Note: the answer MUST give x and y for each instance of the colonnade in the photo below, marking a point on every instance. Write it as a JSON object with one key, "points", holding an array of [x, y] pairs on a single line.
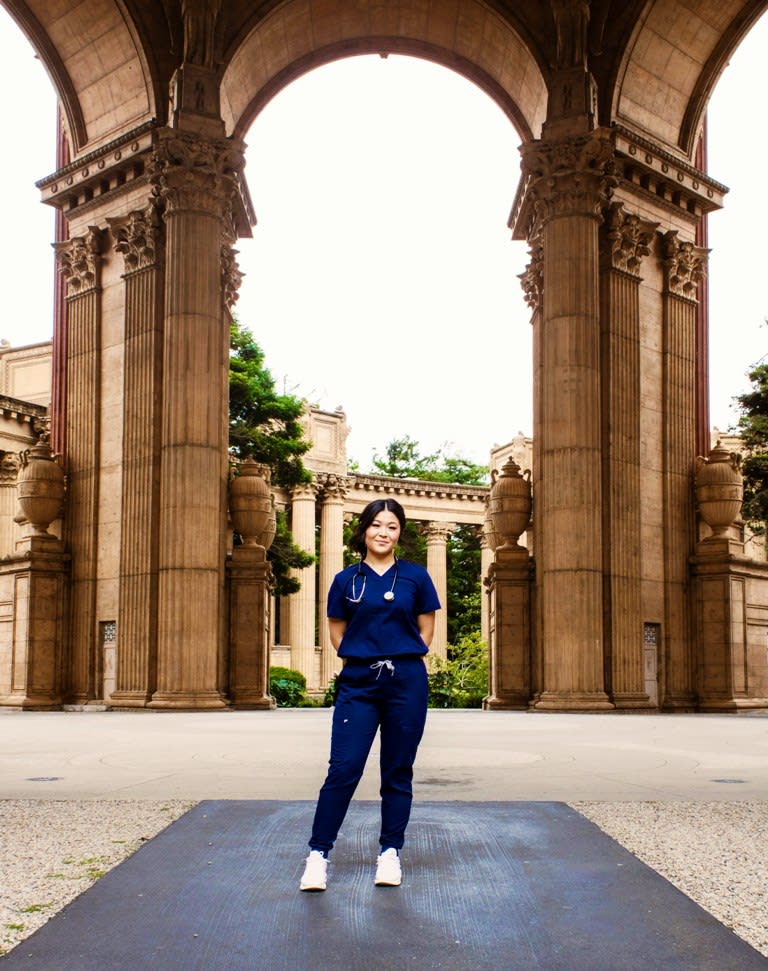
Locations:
{"points": [[326, 505]]}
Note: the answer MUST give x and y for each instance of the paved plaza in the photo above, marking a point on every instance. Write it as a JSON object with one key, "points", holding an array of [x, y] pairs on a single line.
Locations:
{"points": [[465, 755]]}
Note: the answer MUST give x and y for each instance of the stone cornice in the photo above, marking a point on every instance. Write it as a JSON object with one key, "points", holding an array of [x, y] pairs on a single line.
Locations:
{"points": [[120, 166], [393, 485], [640, 167]]}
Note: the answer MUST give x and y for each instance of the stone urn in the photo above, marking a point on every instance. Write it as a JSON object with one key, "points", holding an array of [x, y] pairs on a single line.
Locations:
{"points": [[489, 533], [40, 487], [719, 488], [509, 505], [251, 504]]}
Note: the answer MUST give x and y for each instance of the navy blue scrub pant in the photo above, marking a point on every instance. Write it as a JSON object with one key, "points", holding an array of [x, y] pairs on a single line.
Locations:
{"points": [[372, 697]]}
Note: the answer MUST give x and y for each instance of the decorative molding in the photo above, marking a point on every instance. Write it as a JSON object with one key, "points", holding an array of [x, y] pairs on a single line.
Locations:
{"points": [[231, 276], [79, 261], [628, 239], [138, 236], [10, 463], [684, 266]]}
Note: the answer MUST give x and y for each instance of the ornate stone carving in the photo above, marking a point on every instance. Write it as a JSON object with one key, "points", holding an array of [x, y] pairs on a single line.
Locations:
{"points": [[570, 176], [191, 172], [628, 239], [438, 532], [532, 281], [199, 19], [231, 277], [80, 262], [684, 265], [333, 487], [571, 24], [138, 237], [10, 463]]}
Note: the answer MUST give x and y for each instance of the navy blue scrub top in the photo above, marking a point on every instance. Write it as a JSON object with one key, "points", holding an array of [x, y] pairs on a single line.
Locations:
{"points": [[379, 628]]}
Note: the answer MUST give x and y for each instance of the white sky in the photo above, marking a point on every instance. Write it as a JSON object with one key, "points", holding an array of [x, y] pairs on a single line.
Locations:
{"points": [[382, 268]]}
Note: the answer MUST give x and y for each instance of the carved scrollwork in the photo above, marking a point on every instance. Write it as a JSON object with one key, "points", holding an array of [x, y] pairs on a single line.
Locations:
{"points": [[684, 265], [79, 261]]}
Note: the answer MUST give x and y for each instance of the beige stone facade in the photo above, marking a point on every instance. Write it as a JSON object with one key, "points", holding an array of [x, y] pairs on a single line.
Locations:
{"points": [[136, 601]]}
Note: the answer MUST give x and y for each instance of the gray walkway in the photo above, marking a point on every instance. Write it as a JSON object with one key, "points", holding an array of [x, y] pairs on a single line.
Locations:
{"points": [[467, 755]]}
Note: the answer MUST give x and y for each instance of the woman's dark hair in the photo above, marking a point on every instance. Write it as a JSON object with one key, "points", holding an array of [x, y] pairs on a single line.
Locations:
{"points": [[367, 516]]}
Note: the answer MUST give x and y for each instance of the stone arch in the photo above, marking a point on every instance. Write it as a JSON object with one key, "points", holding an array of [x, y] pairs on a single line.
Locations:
{"points": [[671, 64], [100, 95], [468, 37]]}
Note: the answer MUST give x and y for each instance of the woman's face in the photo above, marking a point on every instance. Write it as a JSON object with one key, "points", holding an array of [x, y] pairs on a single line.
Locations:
{"points": [[382, 535]]}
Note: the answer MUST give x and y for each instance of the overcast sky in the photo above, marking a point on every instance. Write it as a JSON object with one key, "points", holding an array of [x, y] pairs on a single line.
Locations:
{"points": [[382, 276]]}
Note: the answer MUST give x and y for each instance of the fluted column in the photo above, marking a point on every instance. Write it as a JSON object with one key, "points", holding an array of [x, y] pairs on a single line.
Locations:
{"points": [[683, 269], [334, 489], [302, 605], [567, 184], [139, 238], [196, 182], [626, 241], [437, 540], [9, 470], [80, 263]]}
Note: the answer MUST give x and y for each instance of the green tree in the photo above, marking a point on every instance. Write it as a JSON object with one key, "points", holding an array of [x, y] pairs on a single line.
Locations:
{"points": [[403, 459], [753, 429], [263, 423], [266, 425]]}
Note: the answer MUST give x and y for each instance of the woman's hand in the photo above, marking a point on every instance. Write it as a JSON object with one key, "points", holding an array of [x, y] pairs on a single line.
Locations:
{"points": [[426, 624]]}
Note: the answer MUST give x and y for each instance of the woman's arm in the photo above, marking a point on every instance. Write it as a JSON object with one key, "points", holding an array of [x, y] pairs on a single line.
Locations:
{"points": [[336, 626], [426, 624]]}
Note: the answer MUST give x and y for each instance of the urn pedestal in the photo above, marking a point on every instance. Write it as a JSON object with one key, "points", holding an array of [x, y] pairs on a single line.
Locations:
{"points": [[252, 511], [509, 590]]}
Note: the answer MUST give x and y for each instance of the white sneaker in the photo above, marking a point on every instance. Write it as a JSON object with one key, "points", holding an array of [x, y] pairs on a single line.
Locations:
{"points": [[315, 872], [388, 872]]}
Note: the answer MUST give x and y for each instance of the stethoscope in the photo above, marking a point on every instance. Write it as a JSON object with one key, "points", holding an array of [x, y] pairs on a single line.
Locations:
{"points": [[355, 599]]}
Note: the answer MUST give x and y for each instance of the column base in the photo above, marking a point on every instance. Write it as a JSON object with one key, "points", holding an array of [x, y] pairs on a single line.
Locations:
{"points": [[634, 700], [509, 702], [732, 704], [32, 702], [573, 701], [129, 699], [187, 700], [681, 703], [255, 701]]}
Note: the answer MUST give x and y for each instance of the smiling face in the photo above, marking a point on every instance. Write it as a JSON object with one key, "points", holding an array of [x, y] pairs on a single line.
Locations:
{"points": [[382, 535]]}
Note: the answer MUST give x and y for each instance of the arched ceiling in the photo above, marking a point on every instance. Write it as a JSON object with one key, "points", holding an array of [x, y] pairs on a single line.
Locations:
{"points": [[655, 62]]}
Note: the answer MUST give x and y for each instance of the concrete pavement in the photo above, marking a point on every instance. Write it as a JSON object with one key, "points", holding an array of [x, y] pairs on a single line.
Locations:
{"points": [[465, 755]]}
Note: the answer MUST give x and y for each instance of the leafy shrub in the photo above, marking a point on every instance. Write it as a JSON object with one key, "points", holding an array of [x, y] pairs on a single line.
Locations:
{"points": [[462, 680], [287, 687]]}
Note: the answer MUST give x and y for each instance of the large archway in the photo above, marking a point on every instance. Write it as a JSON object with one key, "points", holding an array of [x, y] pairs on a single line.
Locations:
{"points": [[609, 101]]}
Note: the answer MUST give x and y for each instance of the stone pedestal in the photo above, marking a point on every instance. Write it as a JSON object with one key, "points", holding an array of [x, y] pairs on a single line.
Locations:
{"points": [[509, 586], [731, 624], [249, 595], [33, 593]]}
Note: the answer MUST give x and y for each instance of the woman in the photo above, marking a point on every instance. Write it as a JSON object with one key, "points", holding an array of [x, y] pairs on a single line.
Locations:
{"points": [[381, 615]]}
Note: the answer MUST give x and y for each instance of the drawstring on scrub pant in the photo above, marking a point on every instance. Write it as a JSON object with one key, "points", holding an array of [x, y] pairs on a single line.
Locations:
{"points": [[380, 665]]}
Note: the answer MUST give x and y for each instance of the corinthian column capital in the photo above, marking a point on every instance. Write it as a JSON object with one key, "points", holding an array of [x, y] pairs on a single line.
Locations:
{"points": [[195, 173], [138, 236], [438, 533], [684, 265], [628, 239], [333, 487], [569, 177], [79, 261]]}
